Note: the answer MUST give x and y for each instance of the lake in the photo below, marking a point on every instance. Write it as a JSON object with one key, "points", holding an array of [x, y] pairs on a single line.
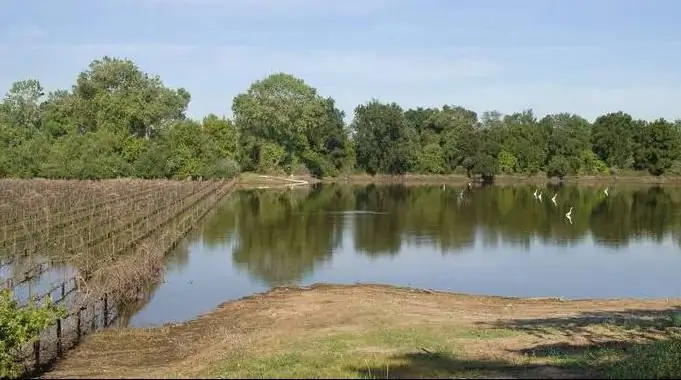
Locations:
{"points": [[484, 240]]}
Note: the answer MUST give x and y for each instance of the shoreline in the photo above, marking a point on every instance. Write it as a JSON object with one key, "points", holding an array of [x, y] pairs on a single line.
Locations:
{"points": [[252, 180], [343, 331]]}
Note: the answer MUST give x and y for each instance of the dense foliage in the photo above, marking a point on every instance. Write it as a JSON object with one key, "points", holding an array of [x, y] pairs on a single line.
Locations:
{"points": [[118, 121], [19, 326]]}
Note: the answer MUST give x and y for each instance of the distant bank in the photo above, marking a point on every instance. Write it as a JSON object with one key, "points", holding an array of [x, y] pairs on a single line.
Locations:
{"points": [[250, 180]]}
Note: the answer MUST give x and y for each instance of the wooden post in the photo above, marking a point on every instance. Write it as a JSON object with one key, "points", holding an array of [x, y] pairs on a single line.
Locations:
{"points": [[63, 290], [78, 324], [59, 352], [36, 352], [106, 311], [94, 317]]}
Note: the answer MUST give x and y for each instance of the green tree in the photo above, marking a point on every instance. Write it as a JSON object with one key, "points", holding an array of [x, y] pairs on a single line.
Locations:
{"points": [[569, 136], [283, 110], [656, 146], [611, 137], [385, 141]]}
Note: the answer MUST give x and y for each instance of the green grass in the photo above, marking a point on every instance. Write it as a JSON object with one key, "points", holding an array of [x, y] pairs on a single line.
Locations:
{"points": [[654, 359], [434, 352], [371, 354]]}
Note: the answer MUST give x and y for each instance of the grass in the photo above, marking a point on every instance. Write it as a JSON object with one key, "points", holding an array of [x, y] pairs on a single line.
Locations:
{"points": [[424, 352], [372, 331], [367, 354]]}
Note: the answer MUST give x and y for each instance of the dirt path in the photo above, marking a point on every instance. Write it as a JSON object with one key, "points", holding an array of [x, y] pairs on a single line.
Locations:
{"points": [[370, 331]]}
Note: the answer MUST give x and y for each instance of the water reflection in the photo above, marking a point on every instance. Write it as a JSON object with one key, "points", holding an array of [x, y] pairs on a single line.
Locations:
{"points": [[493, 240]]}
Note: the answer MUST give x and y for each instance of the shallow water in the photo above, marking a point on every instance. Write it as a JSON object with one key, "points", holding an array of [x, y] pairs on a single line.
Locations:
{"points": [[492, 240]]}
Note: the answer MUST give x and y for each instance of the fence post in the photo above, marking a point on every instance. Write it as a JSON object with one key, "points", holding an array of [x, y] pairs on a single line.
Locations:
{"points": [[106, 310], [36, 353], [78, 324], [59, 352], [63, 290], [94, 317]]}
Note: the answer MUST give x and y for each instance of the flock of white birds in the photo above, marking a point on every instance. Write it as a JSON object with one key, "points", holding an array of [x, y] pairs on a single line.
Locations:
{"points": [[538, 196], [568, 215]]}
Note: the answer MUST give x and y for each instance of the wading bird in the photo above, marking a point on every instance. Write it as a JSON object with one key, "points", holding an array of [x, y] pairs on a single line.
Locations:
{"points": [[539, 196], [554, 199], [535, 193], [568, 215], [606, 191]]}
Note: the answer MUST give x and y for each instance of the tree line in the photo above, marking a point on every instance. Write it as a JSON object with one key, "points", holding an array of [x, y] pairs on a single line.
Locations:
{"points": [[118, 121]]}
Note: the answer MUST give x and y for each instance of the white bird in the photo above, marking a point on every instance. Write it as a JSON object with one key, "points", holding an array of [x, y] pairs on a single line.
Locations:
{"points": [[539, 196], [569, 215], [554, 199], [443, 186], [606, 191], [535, 193]]}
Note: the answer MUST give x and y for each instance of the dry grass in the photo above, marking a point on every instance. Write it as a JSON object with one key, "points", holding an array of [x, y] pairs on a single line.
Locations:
{"points": [[374, 331]]}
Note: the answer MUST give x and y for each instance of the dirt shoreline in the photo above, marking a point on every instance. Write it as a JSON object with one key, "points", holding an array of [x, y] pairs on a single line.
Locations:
{"points": [[251, 180], [328, 330]]}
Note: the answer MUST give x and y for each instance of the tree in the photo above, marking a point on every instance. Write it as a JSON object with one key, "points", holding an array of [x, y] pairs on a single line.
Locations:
{"points": [[385, 141], [612, 138], [656, 146], [283, 110], [526, 140], [115, 94], [21, 106], [569, 136]]}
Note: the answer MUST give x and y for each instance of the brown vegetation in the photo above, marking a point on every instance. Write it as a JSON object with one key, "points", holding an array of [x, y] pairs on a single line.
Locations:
{"points": [[114, 234]]}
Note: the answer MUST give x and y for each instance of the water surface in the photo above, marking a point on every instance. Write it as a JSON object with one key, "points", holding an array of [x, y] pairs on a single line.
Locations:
{"points": [[491, 240]]}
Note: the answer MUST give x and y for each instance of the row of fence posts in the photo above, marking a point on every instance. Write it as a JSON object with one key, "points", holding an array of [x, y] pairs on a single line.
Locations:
{"points": [[79, 330], [8, 283]]}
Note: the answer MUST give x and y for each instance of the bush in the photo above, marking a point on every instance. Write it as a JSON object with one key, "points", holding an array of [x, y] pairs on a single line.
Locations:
{"points": [[223, 169], [19, 326]]}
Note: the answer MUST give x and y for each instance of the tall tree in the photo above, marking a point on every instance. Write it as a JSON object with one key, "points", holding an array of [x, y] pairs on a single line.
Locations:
{"points": [[611, 137], [384, 140], [657, 145], [281, 113]]}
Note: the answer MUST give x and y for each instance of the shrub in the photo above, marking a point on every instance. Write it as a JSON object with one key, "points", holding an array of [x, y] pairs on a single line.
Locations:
{"points": [[19, 326]]}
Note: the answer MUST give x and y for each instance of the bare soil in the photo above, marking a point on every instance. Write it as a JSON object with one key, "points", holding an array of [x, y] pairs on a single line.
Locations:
{"points": [[370, 331]]}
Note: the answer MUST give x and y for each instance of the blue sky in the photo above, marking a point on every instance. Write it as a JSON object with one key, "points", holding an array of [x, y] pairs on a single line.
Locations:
{"points": [[587, 57]]}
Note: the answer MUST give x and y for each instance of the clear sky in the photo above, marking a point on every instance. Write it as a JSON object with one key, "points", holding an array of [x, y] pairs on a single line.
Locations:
{"points": [[582, 56]]}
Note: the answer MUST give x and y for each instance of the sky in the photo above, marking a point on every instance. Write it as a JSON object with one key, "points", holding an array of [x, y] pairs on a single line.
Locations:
{"points": [[581, 56]]}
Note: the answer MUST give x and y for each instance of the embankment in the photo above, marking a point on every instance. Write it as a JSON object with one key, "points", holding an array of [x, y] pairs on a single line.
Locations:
{"points": [[374, 331]]}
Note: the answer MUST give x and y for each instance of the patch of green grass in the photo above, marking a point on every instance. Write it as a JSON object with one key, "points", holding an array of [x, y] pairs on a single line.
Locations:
{"points": [[371, 354], [655, 359], [439, 352]]}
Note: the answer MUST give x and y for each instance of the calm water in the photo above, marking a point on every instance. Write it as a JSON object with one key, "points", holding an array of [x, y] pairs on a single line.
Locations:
{"points": [[493, 240]]}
